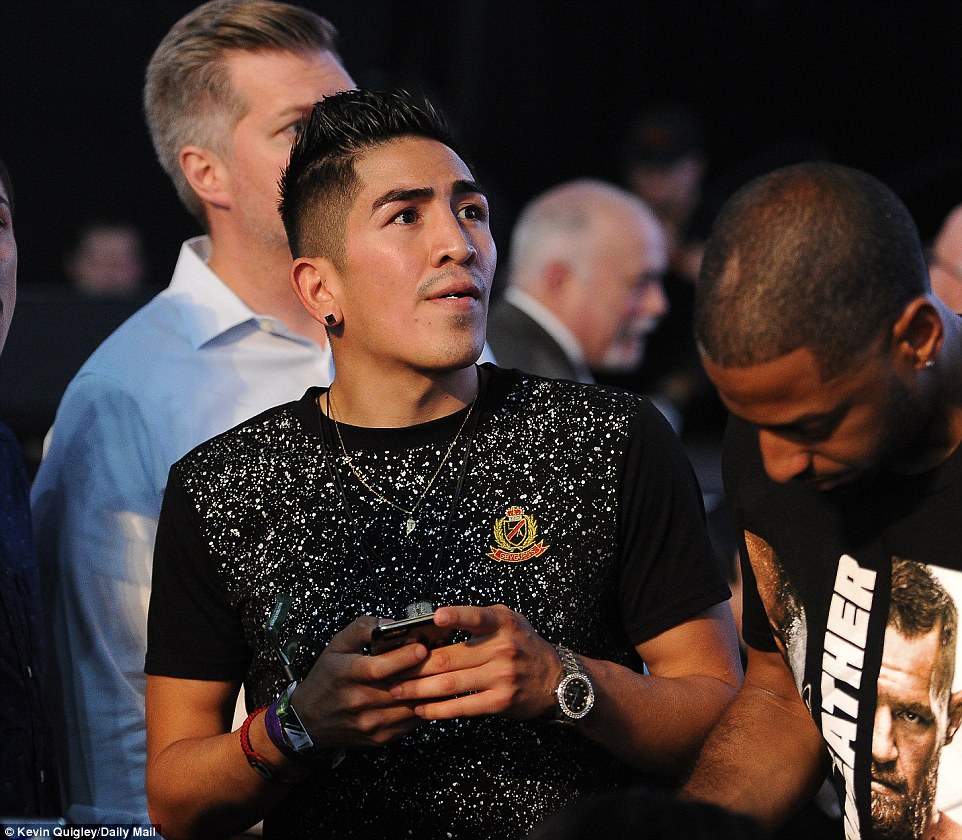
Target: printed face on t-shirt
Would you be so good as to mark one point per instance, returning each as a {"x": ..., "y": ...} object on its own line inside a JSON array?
[{"x": 916, "y": 712}]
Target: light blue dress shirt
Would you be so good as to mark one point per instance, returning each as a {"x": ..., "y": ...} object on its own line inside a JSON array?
[{"x": 193, "y": 362}]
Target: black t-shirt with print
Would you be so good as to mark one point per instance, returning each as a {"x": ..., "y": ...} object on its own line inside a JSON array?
[
  {"x": 572, "y": 504},
  {"x": 818, "y": 569}
]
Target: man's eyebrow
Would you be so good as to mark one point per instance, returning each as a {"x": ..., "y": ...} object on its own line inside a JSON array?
[
  {"x": 459, "y": 187},
  {"x": 412, "y": 194},
  {"x": 920, "y": 710},
  {"x": 465, "y": 186},
  {"x": 807, "y": 420}
]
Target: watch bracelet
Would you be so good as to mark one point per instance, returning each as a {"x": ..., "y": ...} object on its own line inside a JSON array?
[
  {"x": 569, "y": 663},
  {"x": 571, "y": 667}
]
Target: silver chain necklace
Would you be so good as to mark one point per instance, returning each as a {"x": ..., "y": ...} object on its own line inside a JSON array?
[{"x": 411, "y": 523}]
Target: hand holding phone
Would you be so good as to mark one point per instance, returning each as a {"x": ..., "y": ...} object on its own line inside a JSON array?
[{"x": 406, "y": 631}]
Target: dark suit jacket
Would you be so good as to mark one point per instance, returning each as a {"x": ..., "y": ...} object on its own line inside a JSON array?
[{"x": 518, "y": 341}]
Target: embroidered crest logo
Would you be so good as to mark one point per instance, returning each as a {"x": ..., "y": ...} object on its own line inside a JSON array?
[{"x": 515, "y": 533}]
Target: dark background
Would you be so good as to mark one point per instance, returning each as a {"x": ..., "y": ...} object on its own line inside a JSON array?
[{"x": 540, "y": 91}]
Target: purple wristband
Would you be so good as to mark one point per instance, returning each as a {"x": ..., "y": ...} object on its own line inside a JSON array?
[{"x": 273, "y": 725}]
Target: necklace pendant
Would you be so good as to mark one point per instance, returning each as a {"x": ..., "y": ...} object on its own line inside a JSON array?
[{"x": 410, "y": 525}]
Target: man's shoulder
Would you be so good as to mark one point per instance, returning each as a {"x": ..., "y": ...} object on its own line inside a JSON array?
[
  {"x": 512, "y": 334},
  {"x": 151, "y": 334},
  {"x": 539, "y": 394},
  {"x": 510, "y": 324},
  {"x": 246, "y": 445}
]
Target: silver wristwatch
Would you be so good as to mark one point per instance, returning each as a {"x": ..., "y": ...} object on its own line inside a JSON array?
[{"x": 576, "y": 694}]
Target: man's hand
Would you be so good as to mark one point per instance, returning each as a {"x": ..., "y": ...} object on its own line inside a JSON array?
[
  {"x": 505, "y": 668},
  {"x": 345, "y": 700}
]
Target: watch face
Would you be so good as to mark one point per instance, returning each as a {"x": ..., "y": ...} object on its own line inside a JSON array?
[{"x": 576, "y": 696}]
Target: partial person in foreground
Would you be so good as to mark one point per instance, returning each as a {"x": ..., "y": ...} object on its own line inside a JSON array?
[
  {"x": 576, "y": 635},
  {"x": 226, "y": 91},
  {"x": 29, "y": 785},
  {"x": 843, "y": 468}
]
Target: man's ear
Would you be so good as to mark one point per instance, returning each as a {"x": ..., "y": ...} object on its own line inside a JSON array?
[
  {"x": 564, "y": 292},
  {"x": 314, "y": 280},
  {"x": 918, "y": 333},
  {"x": 955, "y": 715},
  {"x": 207, "y": 175},
  {"x": 556, "y": 277}
]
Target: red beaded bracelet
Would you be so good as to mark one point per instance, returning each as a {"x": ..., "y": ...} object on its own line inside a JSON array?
[{"x": 255, "y": 759}]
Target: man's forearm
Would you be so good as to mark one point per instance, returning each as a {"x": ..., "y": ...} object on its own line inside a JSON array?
[
  {"x": 654, "y": 723},
  {"x": 204, "y": 787},
  {"x": 765, "y": 758},
  {"x": 659, "y": 721},
  {"x": 200, "y": 782}
]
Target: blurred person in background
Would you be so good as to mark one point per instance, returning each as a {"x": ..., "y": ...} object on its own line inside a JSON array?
[
  {"x": 945, "y": 261},
  {"x": 583, "y": 285},
  {"x": 663, "y": 163},
  {"x": 107, "y": 260},
  {"x": 226, "y": 92}
]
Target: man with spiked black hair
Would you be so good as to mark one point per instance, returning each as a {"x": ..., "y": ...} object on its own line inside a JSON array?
[{"x": 512, "y": 520}]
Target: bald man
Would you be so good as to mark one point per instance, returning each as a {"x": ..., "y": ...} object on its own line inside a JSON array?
[
  {"x": 584, "y": 283},
  {"x": 945, "y": 261}
]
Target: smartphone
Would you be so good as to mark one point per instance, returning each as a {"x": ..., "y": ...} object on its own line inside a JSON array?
[{"x": 406, "y": 631}]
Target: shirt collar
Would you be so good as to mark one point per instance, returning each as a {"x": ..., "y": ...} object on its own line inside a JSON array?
[
  {"x": 215, "y": 313},
  {"x": 552, "y": 325}
]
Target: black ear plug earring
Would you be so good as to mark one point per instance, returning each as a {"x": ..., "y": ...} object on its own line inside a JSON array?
[{"x": 330, "y": 319}]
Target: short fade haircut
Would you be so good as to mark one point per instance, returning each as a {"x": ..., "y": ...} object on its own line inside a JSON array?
[
  {"x": 815, "y": 255},
  {"x": 188, "y": 97},
  {"x": 919, "y": 604},
  {"x": 321, "y": 181}
]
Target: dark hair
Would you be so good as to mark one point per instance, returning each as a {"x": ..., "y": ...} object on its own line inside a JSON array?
[
  {"x": 814, "y": 255},
  {"x": 7, "y": 183},
  {"x": 920, "y": 603},
  {"x": 320, "y": 182}
]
